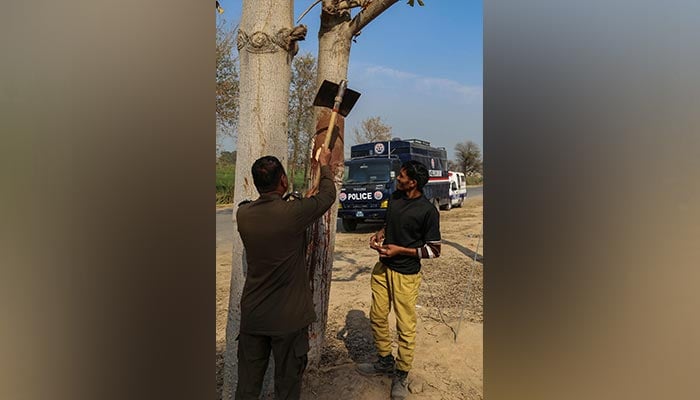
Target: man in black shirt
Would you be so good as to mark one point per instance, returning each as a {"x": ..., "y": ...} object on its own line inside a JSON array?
[
  {"x": 411, "y": 232},
  {"x": 276, "y": 304}
]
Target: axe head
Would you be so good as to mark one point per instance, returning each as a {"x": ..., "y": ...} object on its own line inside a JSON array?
[{"x": 326, "y": 97}]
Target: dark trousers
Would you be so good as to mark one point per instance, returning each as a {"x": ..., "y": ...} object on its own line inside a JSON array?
[{"x": 289, "y": 352}]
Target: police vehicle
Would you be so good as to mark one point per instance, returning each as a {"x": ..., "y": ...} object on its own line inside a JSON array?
[{"x": 370, "y": 178}]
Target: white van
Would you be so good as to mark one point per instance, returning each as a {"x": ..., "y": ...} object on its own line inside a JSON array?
[{"x": 458, "y": 188}]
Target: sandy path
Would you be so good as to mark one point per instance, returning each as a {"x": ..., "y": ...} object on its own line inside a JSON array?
[{"x": 443, "y": 368}]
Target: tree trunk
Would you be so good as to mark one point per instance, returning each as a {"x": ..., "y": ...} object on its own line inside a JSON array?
[
  {"x": 334, "y": 43},
  {"x": 333, "y": 57},
  {"x": 266, "y": 44}
]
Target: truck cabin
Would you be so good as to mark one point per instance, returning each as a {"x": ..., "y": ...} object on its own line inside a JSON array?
[{"x": 371, "y": 170}]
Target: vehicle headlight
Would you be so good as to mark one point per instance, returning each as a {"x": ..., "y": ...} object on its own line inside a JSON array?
[{"x": 384, "y": 204}]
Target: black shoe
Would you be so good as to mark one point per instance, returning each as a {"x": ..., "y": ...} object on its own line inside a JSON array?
[
  {"x": 399, "y": 385},
  {"x": 383, "y": 365}
]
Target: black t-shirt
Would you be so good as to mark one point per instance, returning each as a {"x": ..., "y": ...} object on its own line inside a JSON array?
[{"x": 410, "y": 223}]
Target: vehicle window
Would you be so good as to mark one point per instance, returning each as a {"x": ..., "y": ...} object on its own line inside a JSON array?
[{"x": 367, "y": 172}]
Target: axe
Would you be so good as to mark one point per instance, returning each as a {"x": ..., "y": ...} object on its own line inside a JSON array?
[{"x": 340, "y": 100}]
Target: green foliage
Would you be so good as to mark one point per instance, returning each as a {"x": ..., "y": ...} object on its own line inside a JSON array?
[
  {"x": 227, "y": 158},
  {"x": 420, "y": 3},
  {"x": 299, "y": 184},
  {"x": 474, "y": 179},
  {"x": 225, "y": 180}
]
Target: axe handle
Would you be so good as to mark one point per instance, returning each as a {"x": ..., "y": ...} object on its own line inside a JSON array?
[
  {"x": 331, "y": 127},
  {"x": 326, "y": 141},
  {"x": 329, "y": 133}
]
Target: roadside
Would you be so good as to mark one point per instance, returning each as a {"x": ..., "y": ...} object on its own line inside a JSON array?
[{"x": 444, "y": 368}]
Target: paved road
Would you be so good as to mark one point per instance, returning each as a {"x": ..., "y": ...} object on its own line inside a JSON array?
[
  {"x": 224, "y": 226},
  {"x": 224, "y": 230},
  {"x": 475, "y": 191}
]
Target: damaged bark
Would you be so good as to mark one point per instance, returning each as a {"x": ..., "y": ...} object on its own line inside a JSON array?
[{"x": 337, "y": 30}]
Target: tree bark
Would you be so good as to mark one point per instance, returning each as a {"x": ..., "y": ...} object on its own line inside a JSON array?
[
  {"x": 334, "y": 44},
  {"x": 266, "y": 45},
  {"x": 333, "y": 58}
]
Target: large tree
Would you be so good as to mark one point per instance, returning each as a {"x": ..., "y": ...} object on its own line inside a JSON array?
[
  {"x": 372, "y": 130},
  {"x": 266, "y": 45},
  {"x": 227, "y": 82},
  {"x": 468, "y": 157},
  {"x": 338, "y": 29},
  {"x": 301, "y": 114}
]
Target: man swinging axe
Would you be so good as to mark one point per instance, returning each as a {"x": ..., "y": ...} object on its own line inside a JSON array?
[{"x": 276, "y": 303}]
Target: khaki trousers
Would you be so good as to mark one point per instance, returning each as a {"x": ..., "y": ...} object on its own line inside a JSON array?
[{"x": 392, "y": 289}]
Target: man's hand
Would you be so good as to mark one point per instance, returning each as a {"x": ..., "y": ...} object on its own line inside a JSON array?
[
  {"x": 390, "y": 250},
  {"x": 324, "y": 157},
  {"x": 375, "y": 242}
]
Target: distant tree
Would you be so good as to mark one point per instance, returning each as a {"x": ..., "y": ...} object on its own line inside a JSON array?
[
  {"x": 227, "y": 157},
  {"x": 468, "y": 157},
  {"x": 453, "y": 165},
  {"x": 227, "y": 82},
  {"x": 302, "y": 91},
  {"x": 372, "y": 130}
]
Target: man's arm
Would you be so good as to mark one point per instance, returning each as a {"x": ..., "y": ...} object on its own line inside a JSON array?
[
  {"x": 313, "y": 207},
  {"x": 428, "y": 250},
  {"x": 431, "y": 236}
]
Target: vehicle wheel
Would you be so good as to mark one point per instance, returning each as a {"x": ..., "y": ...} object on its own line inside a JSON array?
[
  {"x": 349, "y": 225},
  {"x": 448, "y": 206},
  {"x": 460, "y": 203}
]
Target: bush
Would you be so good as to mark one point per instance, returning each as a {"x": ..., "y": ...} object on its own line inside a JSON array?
[
  {"x": 226, "y": 179},
  {"x": 474, "y": 180},
  {"x": 225, "y": 183}
]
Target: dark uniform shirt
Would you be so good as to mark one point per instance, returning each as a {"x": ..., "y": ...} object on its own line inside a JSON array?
[
  {"x": 276, "y": 297},
  {"x": 410, "y": 223}
]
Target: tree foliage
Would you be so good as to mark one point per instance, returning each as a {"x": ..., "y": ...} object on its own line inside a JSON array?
[
  {"x": 468, "y": 157},
  {"x": 372, "y": 130},
  {"x": 301, "y": 112},
  {"x": 227, "y": 80},
  {"x": 227, "y": 158}
]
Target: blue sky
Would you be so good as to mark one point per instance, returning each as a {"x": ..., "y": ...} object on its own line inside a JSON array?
[{"x": 419, "y": 68}]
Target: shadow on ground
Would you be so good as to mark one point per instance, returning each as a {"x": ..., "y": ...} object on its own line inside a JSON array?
[
  {"x": 467, "y": 252},
  {"x": 362, "y": 228},
  {"x": 357, "y": 336}
]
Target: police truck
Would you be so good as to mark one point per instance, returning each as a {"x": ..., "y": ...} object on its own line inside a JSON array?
[{"x": 370, "y": 178}]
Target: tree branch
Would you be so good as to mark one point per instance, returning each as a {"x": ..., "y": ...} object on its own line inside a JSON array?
[
  {"x": 335, "y": 7},
  {"x": 372, "y": 11}
]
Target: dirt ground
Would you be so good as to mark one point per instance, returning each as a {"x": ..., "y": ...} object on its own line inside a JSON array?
[{"x": 448, "y": 361}]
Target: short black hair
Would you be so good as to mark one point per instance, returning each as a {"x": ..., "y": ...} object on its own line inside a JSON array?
[
  {"x": 416, "y": 171},
  {"x": 267, "y": 172}
]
